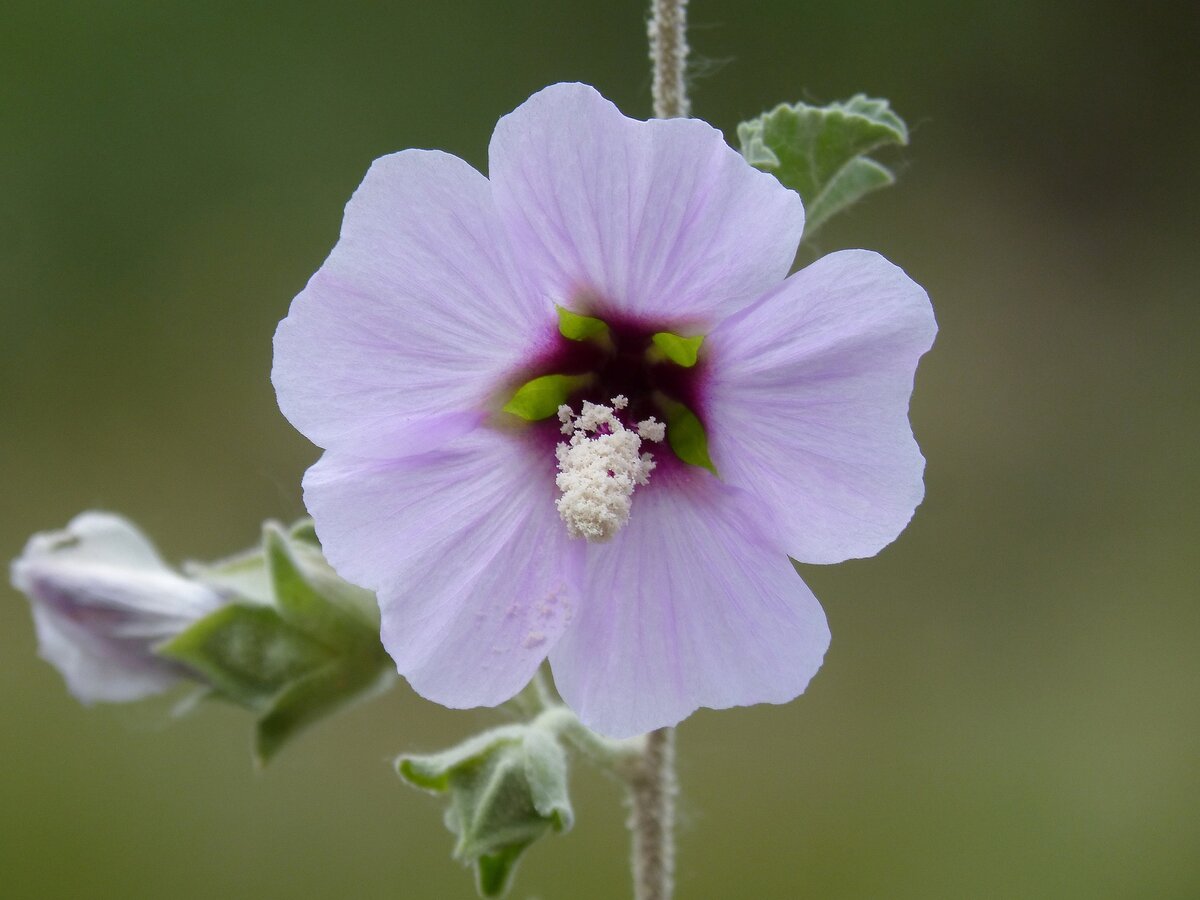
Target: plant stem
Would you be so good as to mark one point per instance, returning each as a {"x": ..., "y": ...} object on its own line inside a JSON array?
[
  {"x": 668, "y": 52},
  {"x": 647, "y": 766},
  {"x": 616, "y": 757},
  {"x": 652, "y": 789},
  {"x": 650, "y": 776}
]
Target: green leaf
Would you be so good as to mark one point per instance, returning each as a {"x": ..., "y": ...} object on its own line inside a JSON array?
[
  {"x": 431, "y": 772},
  {"x": 356, "y": 604},
  {"x": 575, "y": 327},
  {"x": 297, "y": 645},
  {"x": 494, "y": 871},
  {"x": 686, "y": 435},
  {"x": 860, "y": 177},
  {"x": 507, "y": 787},
  {"x": 243, "y": 575},
  {"x": 307, "y": 591},
  {"x": 546, "y": 775},
  {"x": 305, "y": 530},
  {"x": 540, "y": 398},
  {"x": 679, "y": 350},
  {"x": 246, "y": 652},
  {"x": 819, "y": 151},
  {"x": 314, "y": 696}
]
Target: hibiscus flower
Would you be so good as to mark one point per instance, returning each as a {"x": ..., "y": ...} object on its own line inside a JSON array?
[{"x": 578, "y": 409}]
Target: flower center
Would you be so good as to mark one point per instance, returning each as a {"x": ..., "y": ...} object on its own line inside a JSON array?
[
  {"x": 600, "y": 466},
  {"x": 608, "y": 385}
]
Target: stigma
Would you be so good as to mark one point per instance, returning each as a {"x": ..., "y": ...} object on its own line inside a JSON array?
[{"x": 599, "y": 466}]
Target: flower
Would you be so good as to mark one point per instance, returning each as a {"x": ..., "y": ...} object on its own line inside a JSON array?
[
  {"x": 488, "y": 364},
  {"x": 102, "y": 600}
]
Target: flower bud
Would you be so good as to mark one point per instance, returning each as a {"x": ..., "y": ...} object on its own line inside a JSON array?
[
  {"x": 507, "y": 787},
  {"x": 102, "y": 599}
]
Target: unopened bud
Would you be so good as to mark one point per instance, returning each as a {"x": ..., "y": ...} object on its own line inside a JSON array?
[{"x": 102, "y": 599}]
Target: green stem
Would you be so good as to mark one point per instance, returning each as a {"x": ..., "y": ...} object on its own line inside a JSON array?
[{"x": 618, "y": 757}]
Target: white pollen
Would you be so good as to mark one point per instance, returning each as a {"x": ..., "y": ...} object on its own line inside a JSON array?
[
  {"x": 599, "y": 468},
  {"x": 566, "y": 417},
  {"x": 651, "y": 430}
]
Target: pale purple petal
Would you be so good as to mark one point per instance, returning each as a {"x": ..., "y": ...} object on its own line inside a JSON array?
[
  {"x": 99, "y": 538},
  {"x": 808, "y": 404},
  {"x": 660, "y": 219},
  {"x": 439, "y": 300},
  {"x": 475, "y": 574},
  {"x": 410, "y": 327},
  {"x": 97, "y": 667},
  {"x": 102, "y": 599},
  {"x": 693, "y": 604}
]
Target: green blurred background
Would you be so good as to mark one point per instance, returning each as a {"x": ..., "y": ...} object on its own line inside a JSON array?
[{"x": 1009, "y": 708}]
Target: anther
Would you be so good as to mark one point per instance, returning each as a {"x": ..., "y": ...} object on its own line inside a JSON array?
[{"x": 600, "y": 466}]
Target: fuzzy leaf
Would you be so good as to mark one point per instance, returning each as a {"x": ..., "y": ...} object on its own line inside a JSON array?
[
  {"x": 859, "y": 177},
  {"x": 314, "y": 696},
  {"x": 243, "y": 576},
  {"x": 311, "y": 597},
  {"x": 303, "y": 645},
  {"x": 819, "y": 151},
  {"x": 494, "y": 871},
  {"x": 507, "y": 787},
  {"x": 546, "y": 775},
  {"x": 247, "y": 653},
  {"x": 305, "y": 530},
  {"x": 431, "y": 772}
]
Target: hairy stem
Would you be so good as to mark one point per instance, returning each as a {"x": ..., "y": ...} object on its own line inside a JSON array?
[
  {"x": 650, "y": 775},
  {"x": 668, "y": 52},
  {"x": 616, "y": 757},
  {"x": 652, "y": 789}
]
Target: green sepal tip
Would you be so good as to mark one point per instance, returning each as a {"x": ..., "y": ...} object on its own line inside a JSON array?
[
  {"x": 682, "y": 351},
  {"x": 575, "y": 327},
  {"x": 686, "y": 435},
  {"x": 540, "y": 398}
]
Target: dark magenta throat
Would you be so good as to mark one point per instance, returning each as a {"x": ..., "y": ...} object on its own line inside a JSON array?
[{"x": 626, "y": 362}]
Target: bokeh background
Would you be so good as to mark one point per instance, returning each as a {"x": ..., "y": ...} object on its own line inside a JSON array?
[{"x": 1009, "y": 708}]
